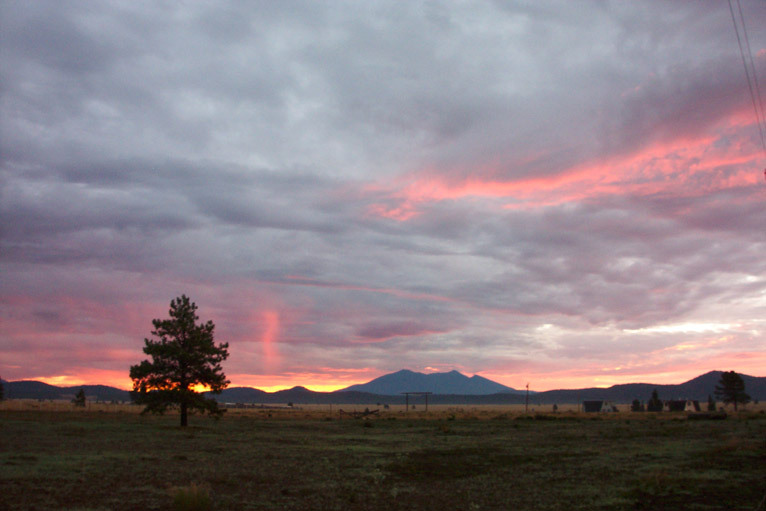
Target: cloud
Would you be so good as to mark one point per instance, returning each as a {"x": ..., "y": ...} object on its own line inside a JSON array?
[{"x": 351, "y": 188}]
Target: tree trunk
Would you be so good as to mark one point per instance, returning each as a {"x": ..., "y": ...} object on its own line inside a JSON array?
[{"x": 184, "y": 419}]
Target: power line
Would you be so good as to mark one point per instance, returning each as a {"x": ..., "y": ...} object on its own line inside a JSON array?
[
  {"x": 751, "y": 84},
  {"x": 752, "y": 63}
]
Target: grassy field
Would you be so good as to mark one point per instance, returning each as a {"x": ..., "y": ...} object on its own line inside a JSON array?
[{"x": 471, "y": 459}]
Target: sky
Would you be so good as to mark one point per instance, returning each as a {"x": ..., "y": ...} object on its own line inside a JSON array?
[{"x": 560, "y": 194}]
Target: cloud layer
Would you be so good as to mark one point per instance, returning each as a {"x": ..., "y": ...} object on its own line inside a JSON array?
[{"x": 565, "y": 194}]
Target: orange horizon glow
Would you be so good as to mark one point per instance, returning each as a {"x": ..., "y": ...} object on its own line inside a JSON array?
[
  {"x": 539, "y": 381},
  {"x": 124, "y": 383}
]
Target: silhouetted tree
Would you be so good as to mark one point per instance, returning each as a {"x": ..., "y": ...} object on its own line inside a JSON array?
[
  {"x": 636, "y": 406},
  {"x": 2, "y": 390},
  {"x": 184, "y": 356},
  {"x": 654, "y": 404},
  {"x": 731, "y": 389},
  {"x": 710, "y": 403},
  {"x": 79, "y": 398}
]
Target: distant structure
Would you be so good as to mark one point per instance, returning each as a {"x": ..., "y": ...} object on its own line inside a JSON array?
[
  {"x": 682, "y": 405},
  {"x": 598, "y": 407},
  {"x": 407, "y": 398}
]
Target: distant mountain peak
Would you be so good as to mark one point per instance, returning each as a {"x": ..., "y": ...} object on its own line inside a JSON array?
[
  {"x": 298, "y": 388},
  {"x": 451, "y": 382}
]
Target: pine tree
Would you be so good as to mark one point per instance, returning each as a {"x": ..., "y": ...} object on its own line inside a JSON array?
[
  {"x": 79, "y": 398},
  {"x": 654, "y": 404},
  {"x": 185, "y": 356},
  {"x": 731, "y": 389},
  {"x": 710, "y": 403}
]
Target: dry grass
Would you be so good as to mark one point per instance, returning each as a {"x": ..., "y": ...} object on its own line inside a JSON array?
[
  {"x": 66, "y": 406},
  {"x": 194, "y": 497},
  {"x": 435, "y": 412},
  {"x": 450, "y": 458}
]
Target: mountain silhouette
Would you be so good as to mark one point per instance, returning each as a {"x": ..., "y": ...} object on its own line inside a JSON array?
[
  {"x": 27, "y": 389},
  {"x": 698, "y": 388},
  {"x": 452, "y": 382},
  {"x": 447, "y": 388}
]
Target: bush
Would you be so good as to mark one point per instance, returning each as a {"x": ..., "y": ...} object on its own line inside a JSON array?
[{"x": 191, "y": 498}]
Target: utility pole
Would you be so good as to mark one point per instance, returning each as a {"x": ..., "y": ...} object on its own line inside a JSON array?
[{"x": 526, "y": 401}]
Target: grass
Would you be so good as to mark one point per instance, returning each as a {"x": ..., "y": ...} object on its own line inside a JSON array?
[
  {"x": 191, "y": 498},
  {"x": 123, "y": 461}
]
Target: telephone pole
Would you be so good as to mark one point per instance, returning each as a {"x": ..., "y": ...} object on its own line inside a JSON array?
[{"x": 526, "y": 400}]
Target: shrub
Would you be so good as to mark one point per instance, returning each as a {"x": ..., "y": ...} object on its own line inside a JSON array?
[{"x": 191, "y": 498}]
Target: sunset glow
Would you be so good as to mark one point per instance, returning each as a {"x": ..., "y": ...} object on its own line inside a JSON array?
[
  {"x": 349, "y": 190},
  {"x": 667, "y": 168}
]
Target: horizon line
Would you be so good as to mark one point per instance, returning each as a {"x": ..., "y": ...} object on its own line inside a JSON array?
[{"x": 328, "y": 389}]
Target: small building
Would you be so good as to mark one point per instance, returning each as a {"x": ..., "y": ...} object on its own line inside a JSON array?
[{"x": 598, "y": 406}]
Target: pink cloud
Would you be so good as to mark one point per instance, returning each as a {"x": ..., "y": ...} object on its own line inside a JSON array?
[
  {"x": 683, "y": 166},
  {"x": 269, "y": 338}
]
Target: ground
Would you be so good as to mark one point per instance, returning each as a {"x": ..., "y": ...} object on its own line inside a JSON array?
[{"x": 113, "y": 458}]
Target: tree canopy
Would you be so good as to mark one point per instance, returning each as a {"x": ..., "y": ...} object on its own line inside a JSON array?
[
  {"x": 184, "y": 357},
  {"x": 731, "y": 389},
  {"x": 654, "y": 404},
  {"x": 79, "y": 398}
]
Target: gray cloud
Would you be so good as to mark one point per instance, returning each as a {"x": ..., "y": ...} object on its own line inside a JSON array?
[{"x": 244, "y": 154}]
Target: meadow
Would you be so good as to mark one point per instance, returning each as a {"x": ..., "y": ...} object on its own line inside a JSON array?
[{"x": 110, "y": 457}]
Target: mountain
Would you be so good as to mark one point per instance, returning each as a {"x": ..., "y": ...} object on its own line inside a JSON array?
[
  {"x": 239, "y": 395},
  {"x": 452, "y": 382},
  {"x": 448, "y": 388},
  {"x": 31, "y": 390},
  {"x": 38, "y": 390},
  {"x": 698, "y": 388}
]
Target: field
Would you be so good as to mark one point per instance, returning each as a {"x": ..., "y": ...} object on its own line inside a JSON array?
[{"x": 110, "y": 457}]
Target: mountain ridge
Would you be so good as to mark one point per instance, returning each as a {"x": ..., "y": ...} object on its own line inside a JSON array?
[
  {"x": 452, "y": 382},
  {"x": 698, "y": 388}
]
